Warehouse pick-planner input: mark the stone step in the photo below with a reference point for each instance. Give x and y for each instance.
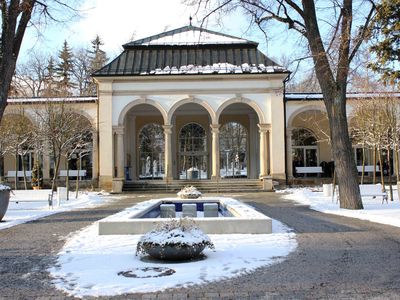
(228, 185)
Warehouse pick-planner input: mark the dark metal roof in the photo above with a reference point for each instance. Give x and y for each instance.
(169, 53)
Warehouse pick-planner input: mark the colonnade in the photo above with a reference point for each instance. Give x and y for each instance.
(264, 157)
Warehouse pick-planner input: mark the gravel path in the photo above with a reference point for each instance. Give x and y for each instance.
(337, 257)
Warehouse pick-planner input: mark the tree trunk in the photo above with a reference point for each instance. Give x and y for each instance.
(381, 168)
(77, 178)
(24, 171)
(55, 175)
(16, 171)
(374, 175)
(345, 166)
(67, 179)
(396, 162)
(363, 165)
(390, 174)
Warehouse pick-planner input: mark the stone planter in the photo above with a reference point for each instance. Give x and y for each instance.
(173, 252)
(4, 200)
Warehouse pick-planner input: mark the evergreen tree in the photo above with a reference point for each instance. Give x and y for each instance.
(386, 28)
(65, 70)
(98, 59)
(50, 83)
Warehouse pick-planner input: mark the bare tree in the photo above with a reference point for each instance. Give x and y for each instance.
(59, 127)
(331, 67)
(29, 79)
(16, 16)
(20, 139)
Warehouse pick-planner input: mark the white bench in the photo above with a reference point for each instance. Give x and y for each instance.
(372, 190)
(309, 170)
(72, 173)
(34, 196)
(367, 169)
(19, 173)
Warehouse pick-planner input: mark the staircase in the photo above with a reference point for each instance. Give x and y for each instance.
(204, 186)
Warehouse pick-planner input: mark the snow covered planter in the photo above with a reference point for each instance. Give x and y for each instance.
(174, 240)
(4, 199)
(189, 192)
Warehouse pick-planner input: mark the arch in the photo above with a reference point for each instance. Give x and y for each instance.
(233, 147)
(311, 135)
(202, 103)
(139, 101)
(303, 109)
(151, 145)
(249, 102)
(87, 116)
(26, 115)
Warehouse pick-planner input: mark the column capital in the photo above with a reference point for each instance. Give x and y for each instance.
(167, 128)
(215, 128)
(118, 129)
(264, 127)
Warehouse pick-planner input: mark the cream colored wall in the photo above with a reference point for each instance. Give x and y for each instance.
(261, 92)
(106, 151)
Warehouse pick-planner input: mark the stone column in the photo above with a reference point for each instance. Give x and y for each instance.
(253, 146)
(289, 159)
(215, 151)
(95, 157)
(118, 181)
(119, 132)
(264, 156)
(168, 152)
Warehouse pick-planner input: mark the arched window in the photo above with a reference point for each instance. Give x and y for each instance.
(233, 150)
(151, 152)
(193, 152)
(304, 149)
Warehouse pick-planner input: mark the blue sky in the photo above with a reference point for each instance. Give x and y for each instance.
(119, 20)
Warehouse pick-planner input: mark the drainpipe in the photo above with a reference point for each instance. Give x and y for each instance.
(284, 126)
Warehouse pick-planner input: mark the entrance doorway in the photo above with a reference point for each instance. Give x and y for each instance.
(193, 154)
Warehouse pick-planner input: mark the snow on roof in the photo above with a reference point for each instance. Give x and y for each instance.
(189, 35)
(217, 68)
(350, 95)
(194, 37)
(53, 99)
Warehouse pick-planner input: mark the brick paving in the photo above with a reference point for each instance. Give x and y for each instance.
(337, 257)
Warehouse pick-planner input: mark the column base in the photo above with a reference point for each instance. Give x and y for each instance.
(267, 183)
(117, 185)
(105, 183)
(215, 178)
(168, 179)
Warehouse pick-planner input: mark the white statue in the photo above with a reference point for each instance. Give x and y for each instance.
(155, 167)
(148, 165)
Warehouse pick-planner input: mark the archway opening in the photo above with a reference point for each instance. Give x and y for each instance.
(193, 153)
(233, 150)
(151, 152)
(239, 142)
(304, 149)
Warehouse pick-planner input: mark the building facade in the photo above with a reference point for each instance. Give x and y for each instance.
(193, 104)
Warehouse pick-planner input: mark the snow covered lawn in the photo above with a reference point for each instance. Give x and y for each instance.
(38, 206)
(93, 265)
(374, 210)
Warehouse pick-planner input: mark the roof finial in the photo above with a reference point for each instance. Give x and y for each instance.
(190, 20)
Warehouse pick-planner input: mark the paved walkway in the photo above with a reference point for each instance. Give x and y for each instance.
(337, 257)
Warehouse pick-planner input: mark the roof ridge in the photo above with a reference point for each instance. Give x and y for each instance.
(148, 39)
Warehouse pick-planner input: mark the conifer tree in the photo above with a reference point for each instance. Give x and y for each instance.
(98, 60)
(65, 70)
(386, 28)
(50, 86)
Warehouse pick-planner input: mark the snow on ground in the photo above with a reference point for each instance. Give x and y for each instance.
(89, 264)
(38, 206)
(374, 210)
